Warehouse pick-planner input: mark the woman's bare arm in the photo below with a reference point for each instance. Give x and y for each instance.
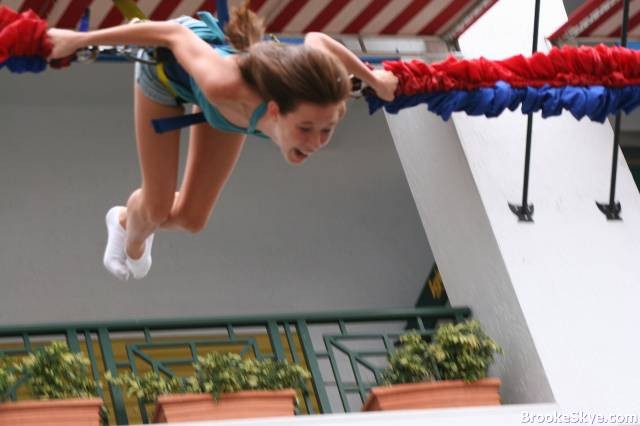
(202, 62)
(383, 82)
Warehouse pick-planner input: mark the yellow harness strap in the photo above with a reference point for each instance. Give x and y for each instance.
(129, 9)
(162, 76)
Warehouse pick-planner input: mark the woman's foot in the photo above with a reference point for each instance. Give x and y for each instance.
(139, 268)
(114, 255)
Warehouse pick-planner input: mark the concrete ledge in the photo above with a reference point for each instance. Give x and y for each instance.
(477, 416)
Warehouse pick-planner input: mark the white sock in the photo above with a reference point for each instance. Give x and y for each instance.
(114, 254)
(140, 267)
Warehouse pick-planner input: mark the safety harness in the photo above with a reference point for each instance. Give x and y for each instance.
(167, 70)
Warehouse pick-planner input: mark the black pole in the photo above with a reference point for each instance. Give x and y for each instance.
(612, 209)
(525, 210)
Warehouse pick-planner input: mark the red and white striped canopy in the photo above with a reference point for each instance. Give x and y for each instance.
(444, 18)
(598, 21)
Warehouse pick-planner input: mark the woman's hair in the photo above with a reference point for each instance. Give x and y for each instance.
(244, 28)
(283, 73)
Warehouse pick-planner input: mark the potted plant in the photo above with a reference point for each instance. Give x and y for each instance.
(61, 388)
(449, 372)
(225, 386)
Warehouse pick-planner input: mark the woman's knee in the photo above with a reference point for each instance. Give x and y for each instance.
(156, 211)
(193, 222)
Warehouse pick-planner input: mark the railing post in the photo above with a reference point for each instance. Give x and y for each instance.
(72, 340)
(276, 344)
(314, 367)
(74, 345)
(94, 363)
(110, 366)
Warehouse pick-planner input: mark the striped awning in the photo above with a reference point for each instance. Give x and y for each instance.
(442, 18)
(598, 21)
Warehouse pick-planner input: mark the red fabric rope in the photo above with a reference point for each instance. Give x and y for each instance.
(566, 66)
(25, 34)
(22, 34)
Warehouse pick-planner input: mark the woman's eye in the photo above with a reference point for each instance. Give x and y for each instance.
(304, 129)
(326, 131)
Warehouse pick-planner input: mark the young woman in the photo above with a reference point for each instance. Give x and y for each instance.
(293, 95)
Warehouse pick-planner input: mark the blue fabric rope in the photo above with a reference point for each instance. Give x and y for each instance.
(595, 102)
(20, 64)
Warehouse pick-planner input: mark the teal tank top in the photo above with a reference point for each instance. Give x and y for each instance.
(188, 90)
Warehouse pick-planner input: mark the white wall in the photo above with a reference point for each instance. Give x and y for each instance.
(574, 273)
(465, 246)
(340, 232)
(558, 294)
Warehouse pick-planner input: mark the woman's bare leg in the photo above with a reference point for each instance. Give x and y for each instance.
(158, 155)
(211, 158)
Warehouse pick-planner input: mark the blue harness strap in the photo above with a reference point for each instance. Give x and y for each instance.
(178, 82)
(167, 124)
(161, 125)
(209, 30)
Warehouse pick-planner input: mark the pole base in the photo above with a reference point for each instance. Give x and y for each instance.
(524, 213)
(610, 210)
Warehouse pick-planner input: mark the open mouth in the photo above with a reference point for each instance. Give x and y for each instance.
(299, 155)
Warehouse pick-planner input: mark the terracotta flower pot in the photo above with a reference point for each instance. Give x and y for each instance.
(440, 394)
(237, 405)
(63, 412)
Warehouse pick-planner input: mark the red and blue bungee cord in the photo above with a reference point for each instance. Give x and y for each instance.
(24, 45)
(586, 81)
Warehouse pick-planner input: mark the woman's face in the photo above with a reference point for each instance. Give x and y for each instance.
(305, 130)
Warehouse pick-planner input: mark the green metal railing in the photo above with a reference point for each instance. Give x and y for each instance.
(344, 351)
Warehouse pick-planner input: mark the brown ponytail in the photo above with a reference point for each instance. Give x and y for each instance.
(290, 74)
(244, 28)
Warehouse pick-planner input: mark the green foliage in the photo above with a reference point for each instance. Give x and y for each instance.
(228, 372)
(54, 372)
(411, 362)
(275, 375)
(463, 351)
(458, 352)
(7, 379)
(150, 385)
(217, 373)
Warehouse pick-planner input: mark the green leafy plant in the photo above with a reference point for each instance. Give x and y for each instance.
(7, 379)
(150, 385)
(216, 373)
(463, 351)
(54, 372)
(460, 351)
(219, 373)
(412, 362)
